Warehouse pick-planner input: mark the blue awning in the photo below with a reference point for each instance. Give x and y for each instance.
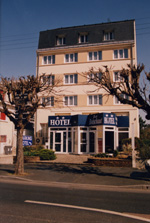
(123, 121)
(83, 120)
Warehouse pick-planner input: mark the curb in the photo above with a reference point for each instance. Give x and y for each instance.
(26, 181)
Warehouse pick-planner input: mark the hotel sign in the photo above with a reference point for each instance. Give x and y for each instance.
(83, 120)
(102, 119)
(59, 121)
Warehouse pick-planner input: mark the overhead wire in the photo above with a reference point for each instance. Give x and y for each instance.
(11, 42)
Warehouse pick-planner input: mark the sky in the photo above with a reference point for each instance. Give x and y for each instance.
(22, 20)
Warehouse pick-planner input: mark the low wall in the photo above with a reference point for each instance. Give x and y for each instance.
(31, 159)
(111, 162)
(6, 159)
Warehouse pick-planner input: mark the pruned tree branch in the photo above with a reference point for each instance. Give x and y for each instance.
(129, 89)
(19, 100)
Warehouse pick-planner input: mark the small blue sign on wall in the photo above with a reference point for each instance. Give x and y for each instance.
(27, 140)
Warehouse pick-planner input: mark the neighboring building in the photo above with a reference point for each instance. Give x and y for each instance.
(84, 120)
(7, 135)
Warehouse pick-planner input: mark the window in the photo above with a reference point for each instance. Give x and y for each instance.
(108, 36)
(117, 102)
(70, 100)
(95, 99)
(83, 38)
(60, 40)
(70, 58)
(49, 101)
(49, 59)
(121, 54)
(71, 79)
(95, 55)
(117, 77)
(48, 79)
(94, 77)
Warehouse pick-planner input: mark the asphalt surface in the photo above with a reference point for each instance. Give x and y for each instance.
(39, 203)
(84, 174)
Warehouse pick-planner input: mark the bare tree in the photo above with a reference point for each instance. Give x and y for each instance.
(20, 99)
(133, 87)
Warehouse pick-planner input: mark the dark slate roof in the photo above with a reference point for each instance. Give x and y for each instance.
(123, 31)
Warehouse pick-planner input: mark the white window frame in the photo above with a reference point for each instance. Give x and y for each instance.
(119, 78)
(61, 41)
(117, 102)
(95, 55)
(108, 36)
(72, 58)
(95, 99)
(71, 100)
(49, 79)
(72, 78)
(48, 100)
(91, 77)
(50, 59)
(85, 38)
(121, 54)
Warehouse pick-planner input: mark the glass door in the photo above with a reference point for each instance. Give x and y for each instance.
(109, 141)
(83, 142)
(58, 141)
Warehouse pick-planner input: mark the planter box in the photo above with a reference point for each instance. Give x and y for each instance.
(111, 162)
(31, 159)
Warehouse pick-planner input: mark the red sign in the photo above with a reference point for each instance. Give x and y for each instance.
(2, 116)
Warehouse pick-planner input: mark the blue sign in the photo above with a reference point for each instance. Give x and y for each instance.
(83, 120)
(27, 140)
(55, 121)
(102, 119)
(123, 121)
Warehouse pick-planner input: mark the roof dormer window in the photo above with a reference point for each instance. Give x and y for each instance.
(83, 37)
(108, 35)
(60, 40)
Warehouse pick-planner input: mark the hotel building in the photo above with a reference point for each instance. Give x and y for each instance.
(84, 119)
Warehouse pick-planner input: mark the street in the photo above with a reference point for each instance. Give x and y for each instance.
(22, 202)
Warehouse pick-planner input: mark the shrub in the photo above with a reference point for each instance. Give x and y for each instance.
(101, 155)
(144, 152)
(32, 150)
(126, 146)
(115, 153)
(46, 154)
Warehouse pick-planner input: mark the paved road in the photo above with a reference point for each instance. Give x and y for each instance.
(17, 204)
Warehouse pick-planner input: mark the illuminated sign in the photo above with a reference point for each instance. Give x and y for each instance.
(59, 121)
(102, 119)
(83, 120)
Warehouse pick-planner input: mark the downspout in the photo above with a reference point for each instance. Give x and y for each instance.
(37, 75)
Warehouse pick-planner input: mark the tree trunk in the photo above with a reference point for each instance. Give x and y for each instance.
(19, 168)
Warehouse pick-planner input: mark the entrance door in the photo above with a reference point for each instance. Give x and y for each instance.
(91, 142)
(109, 142)
(58, 141)
(83, 142)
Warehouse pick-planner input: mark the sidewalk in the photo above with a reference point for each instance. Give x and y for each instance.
(75, 170)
